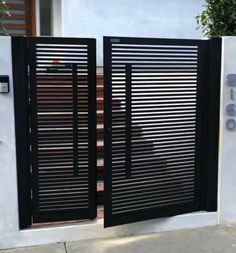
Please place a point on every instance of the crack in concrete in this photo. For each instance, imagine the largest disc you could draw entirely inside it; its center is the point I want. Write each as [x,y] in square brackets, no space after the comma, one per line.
[65,247]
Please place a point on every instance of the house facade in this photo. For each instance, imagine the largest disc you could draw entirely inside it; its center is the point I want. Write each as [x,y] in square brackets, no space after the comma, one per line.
[95,19]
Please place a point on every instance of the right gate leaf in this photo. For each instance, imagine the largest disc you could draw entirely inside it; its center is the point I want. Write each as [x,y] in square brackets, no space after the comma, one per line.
[153,128]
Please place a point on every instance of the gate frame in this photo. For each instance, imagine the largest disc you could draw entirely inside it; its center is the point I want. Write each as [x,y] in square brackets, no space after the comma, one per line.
[23,58]
[21,108]
[212,56]
[209,72]
[213,127]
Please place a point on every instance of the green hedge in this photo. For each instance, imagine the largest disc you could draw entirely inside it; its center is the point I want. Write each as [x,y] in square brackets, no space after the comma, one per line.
[218,18]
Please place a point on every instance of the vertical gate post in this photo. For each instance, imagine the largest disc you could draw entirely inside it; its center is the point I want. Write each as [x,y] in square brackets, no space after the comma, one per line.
[209,76]
[213,103]
[92,111]
[21,99]
[107,126]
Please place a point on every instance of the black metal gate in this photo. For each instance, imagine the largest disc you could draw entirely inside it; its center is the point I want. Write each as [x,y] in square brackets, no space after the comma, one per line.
[161,127]
[55,109]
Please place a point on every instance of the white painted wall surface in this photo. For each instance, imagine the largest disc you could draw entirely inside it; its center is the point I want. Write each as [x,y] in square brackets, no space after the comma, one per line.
[141,18]
[56,18]
[8,186]
[227,175]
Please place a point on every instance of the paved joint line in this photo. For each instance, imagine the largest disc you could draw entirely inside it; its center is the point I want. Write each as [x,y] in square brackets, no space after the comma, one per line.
[65,247]
[230,234]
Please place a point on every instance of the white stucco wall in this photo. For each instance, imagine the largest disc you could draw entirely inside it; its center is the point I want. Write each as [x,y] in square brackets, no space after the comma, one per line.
[140,18]
[8,186]
[227,176]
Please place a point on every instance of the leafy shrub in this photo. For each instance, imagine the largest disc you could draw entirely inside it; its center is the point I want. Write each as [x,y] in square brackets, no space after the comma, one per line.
[218,18]
[4,11]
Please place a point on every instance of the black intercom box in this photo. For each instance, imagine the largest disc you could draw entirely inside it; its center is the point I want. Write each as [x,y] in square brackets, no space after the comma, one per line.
[4,84]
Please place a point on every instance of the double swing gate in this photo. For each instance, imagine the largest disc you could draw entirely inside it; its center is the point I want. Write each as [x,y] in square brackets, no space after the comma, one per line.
[161,107]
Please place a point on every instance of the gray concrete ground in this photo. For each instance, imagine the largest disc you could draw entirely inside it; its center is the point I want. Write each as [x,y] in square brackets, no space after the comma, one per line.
[208,240]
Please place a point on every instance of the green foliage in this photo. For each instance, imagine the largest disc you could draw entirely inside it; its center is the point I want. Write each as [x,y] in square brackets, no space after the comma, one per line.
[218,18]
[4,11]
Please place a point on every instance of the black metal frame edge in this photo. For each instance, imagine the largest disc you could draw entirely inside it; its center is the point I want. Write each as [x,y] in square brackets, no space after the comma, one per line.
[28,204]
[201,137]
[109,218]
[66,40]
[62,216]
[34,124]
[107,131]
[213,115]
[21,106]
[91,212]
[150,41]
[92,112]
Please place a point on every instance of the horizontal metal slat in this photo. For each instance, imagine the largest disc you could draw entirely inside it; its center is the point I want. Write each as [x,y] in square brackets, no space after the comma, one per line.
[163,47]
[133,194]
[159,63]
[152,198]
[177,200]
[154,51]
[150,59]
[120,68]
[162,174]
[149,172]
[63,202]
[151,54]
[67,46]
[64,55]
[63,209]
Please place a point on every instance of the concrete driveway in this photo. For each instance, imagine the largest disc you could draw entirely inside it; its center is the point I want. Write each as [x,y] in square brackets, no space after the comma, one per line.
[208,240]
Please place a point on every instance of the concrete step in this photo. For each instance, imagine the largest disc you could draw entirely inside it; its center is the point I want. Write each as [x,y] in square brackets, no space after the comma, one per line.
[100,146]
[100,192]
[100,168]
[100,128]
[100,114]
[100,91]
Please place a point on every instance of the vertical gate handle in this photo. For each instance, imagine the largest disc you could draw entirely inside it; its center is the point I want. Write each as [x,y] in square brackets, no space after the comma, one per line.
[75,118]
[128,119]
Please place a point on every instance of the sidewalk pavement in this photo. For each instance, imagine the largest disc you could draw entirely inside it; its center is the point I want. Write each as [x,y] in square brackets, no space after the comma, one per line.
[217,239]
